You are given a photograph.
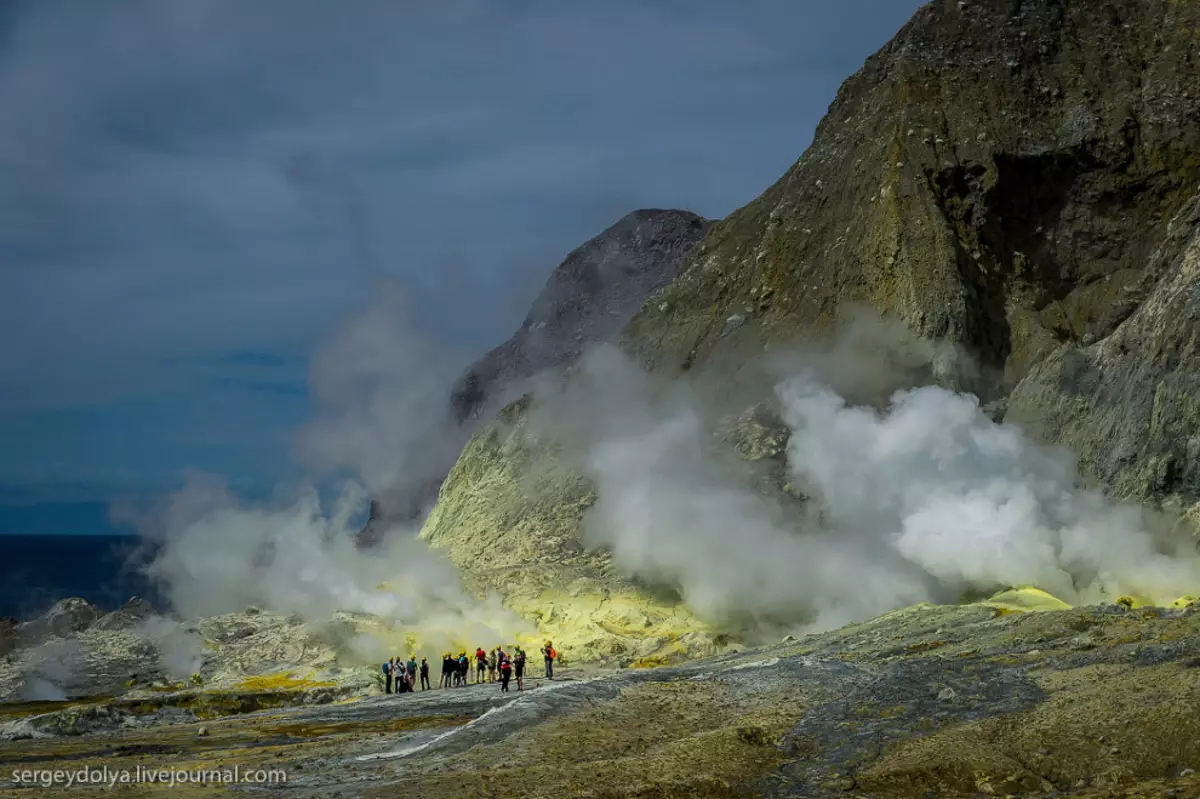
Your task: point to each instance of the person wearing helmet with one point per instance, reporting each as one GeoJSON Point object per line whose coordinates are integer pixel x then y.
{"type": "Point", "coordinates": [480, 665]}
{"type": "Point", "coordinates": [549, 655]}
{"type": "Point", "coordinates": [424, 674]}
{"type": "Point", "coordinates": [492, 664]}
{"type": "Point", "coordinates": [412, 672]}
{"type": "Point", "coordinates": [519, 668]}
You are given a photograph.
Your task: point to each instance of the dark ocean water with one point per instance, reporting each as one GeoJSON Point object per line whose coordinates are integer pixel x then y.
{"type": "Point", "coordinates": [38, 570]}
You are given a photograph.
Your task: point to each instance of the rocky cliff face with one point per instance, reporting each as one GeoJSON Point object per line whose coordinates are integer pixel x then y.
{"type": "Point", "coordinates": [588, 298]}
{"type": "Point", "coordinates": [1015, 179]}
{"type": "Point", "coordinates": [999, 175]}
{"type": "Point", "coordinates": [1127, 403]}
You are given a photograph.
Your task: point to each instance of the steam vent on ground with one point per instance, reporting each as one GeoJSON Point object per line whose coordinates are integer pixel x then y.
{"type": "Point", "coordinates": [886, 484]}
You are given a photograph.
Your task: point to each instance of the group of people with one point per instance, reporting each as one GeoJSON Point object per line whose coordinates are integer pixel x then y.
{"type": "Point", "coordinates": [489, 667]}
{"type": "Point", "coordinates": [401, 675]}
{"type": "Point", "coordinates": [493, 666]}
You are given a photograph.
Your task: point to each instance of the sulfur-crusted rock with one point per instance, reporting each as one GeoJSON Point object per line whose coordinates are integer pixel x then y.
{"type": "Point", "coordinates": [510, 514]}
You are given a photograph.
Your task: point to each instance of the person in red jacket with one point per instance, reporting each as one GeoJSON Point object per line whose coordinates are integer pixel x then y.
{"type": "Point", "coordinates": [505, 672]}
{"type": "Point", "coordinates": [480, 665]}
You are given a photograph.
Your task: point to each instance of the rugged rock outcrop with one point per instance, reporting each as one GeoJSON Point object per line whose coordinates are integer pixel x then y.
{"type": "Point", "coordinates": [588, 298]}
{"type": "Point", "coordinates": [999, 175]}
{"type": "Point", "coordinates": [65, 617]}
{"type": "Point", "coordinates": [1128, 403]}
{"type": "Point", "coordinates": [134, 648]}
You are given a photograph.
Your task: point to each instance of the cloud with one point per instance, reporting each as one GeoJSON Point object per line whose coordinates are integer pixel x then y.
{"type": "Point", "coordinates": [150, 215]}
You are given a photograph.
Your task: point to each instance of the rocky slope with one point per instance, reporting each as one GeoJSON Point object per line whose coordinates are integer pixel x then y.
{"type": "Point", "coordinates": [509, 516]}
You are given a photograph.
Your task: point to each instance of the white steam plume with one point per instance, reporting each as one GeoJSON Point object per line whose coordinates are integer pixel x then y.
{"type": "Point", "coordinates": [973, 503]}
{"type": "Point", "coordinates": [383, 392]}
{"type": "Point", "coordinates": [922, 500]}
{"type": "Point", "coordinates": [382, 389]}
{"type": "Point", "coordinates": [221, 555]}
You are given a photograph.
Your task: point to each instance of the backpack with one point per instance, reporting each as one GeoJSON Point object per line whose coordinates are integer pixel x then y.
{"type": "Point", "coordinates": [387, 668]}
{"type": "Point", "coordinates": [550, 653]}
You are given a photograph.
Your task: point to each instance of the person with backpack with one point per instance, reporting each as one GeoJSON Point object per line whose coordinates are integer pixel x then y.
{"type": "Point", "coordinates": [464, 668]}
{"type": "Point", "coordinates": [412, 672]}
{"type": "Point", "coordinates": [505, 672]}
{"type": "Point", "coordinates": [549, 654]}
{"type": "Point", "coordinates": [424, 674]}
{"type": "Point", "coordinates": [401, 676]}
{"type": "Point", "coordinates": [447, 670]}
{"type": "Point", "coordinates": [492, 665]}
{"type": "Point", "coordinates": [388, 666]}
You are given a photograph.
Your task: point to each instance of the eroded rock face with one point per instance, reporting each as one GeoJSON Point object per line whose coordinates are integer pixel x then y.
{"type": "Point", "coordinates": [998, 175]}
{"type": "Point", "coordinates": [1128, 404]}
{"type": "Point", "coordinates": [64, 618]}
{"type": "Point", "coordinates": [1001, 178]}
{"type": "Point", "coordinates": [131, 614]}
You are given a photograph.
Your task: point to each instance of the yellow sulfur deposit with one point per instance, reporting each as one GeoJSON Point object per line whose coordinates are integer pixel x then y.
{"type": "Point", "coordinates": [1025, 599]}
{"type": "Point", "coordinates": [281, 681]}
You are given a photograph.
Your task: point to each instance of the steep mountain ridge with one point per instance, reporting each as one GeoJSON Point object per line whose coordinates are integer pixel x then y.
{"type": "Point", "coordinates": [588, 298]}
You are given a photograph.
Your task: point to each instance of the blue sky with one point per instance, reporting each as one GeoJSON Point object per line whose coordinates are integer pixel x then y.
{"type": "Point", "coordinates": [194, 192]}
